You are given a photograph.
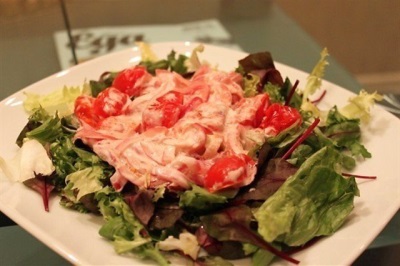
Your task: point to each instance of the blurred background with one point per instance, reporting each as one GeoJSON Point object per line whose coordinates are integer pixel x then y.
{"type": "Point", "coordinates": [363, 35]}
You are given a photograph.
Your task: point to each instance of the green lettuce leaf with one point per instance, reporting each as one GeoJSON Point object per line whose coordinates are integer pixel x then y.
{"type": "Point", "coordinates": [173, 62]}
{"type": "Point", "coordinates": [122, 245]}
{"type": "Point", "coordinates": [316, 142]}
{"type": "Point", "coordinates": [46, 128]}
{"type": "Point", "coordinates": [60, 101]}
{"type": "Point", "coordinates": [123, 228]}
{"type": "Point", "coordinates": [68, 158]}
{"type": "Point", "coordinates": [345, 133]}
{"type": "Point", "coordinates": [250, 85]}
{"type": "Point", "coordinates": [314, 80]}
{"type": "Point", "coordinates": [146, 53]}
{"type": "Point", "coordinates": [296, 99]}
{"type": "Point", "coordinates": [313, 202]}
{"type": "Point", "coordinates": [85, 181]}
{"type": "Point", "coordinates": [186, 243]}
{"type": "Point", "coordinates": [231, 224]}
{"type": "Point", "coordinates": [300, 154]}
{"type": "Point", "coordinates": [200, 199]}
{"type": "Point", "coordinates": [35, 120]}
{"type": "Point", "coordinates": [105, 81]}
{"type": "Point", "coordinates": [213, 261]}
{"type": "Point", "coordinates": [286, 137]}
{"type": "Point", "coordinates": [193, 63]}
{"type": "Point", "coordinates": [48, 131]}
{"type": "Point", "coordinates": [274, 92]}
{"type": "Point", "coordinates": [360, 105]}
{"type": "Point", "coordinates": [262, 257]}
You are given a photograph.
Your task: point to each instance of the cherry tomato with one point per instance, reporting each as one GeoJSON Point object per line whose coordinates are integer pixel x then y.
{"type": "Point", "coordinates": [110, 102]}
{"type": "Point", "coordinates": [171, 97]}
{"type": "Point", "coordinates": [84, 110]}
{"type": "Point", "coordinates": [166, 111]}
{"type": "Point", "coordinates": [126, 80]}
{"type": "Point", "coordinates": [228, 171]}
{"type": "Point", "coordinates": [265, 103]}
{"type": "Point", "coordinates": [280, 117]}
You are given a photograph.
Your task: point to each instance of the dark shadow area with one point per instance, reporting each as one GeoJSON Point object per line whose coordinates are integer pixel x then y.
{"type": "Point", "coordinates": [5, 221]}
{"type": "Point", "coordinates": [379, 256]}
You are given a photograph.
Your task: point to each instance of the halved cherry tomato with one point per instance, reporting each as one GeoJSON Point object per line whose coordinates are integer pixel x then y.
{"type": "Point", "coordinates": [265, 103]}
{"type": "Point", "coordinates": [110, 102]}
{"type": "Point", "coordinates": [166, 111]}
{"type": "Point", "coordinates": [126, 80]}
{"type": "Point", "coordinates": [228, 171]}
{"type": "Point", "coordinates": [174, 97]}
{"type": "Point", "coordinates": [280, 117]}
{"type": "Point", "coordinates": [84, 110]}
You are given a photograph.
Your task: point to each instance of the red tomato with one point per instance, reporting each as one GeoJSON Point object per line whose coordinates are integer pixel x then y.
{"type": "Point", "coordinates": [280, 117]}
{"type": "Point", "coordinates": [229, 171]}
{"type": "Point", "coordinates": [84, 110]}
{"type": "Point", "coordinates": [171, 114]}
{"type": "Point", "coordinates": [110, 102]}
{"type": "Point", "coordinates": [126, 80]}
{"type": "Point", "coordinates": [265, 103]}
{"type": "Point", "coordinates": [166, 111]}
{"type": "Point", "coordinates": [171, 97]}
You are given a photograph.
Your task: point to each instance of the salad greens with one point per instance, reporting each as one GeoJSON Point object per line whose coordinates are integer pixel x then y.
{"type": "Point", "coordinates": [312, 202]}
{"type": "Point", "coordinates": [289, 203]}
{"type": "Point", "coordinates": [200, 199]}
{"type": "Point", "coordinates": [359, 106]}
{"type": "Point", "coordinates": [60, 101]}
{"type": "Point", "coordinates": [123, 228]}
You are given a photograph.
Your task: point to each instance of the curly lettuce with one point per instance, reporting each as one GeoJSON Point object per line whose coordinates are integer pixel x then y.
{"type": "Point", "coordinates": [314, 81]}
{"type": "Point", "coordinates": [60, 101]}
{"type": "Point", "coordinates": [359, 106]}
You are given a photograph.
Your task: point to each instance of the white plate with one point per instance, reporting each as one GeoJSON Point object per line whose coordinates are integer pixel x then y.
{"type": "Point", "coordinates": [75, 236]}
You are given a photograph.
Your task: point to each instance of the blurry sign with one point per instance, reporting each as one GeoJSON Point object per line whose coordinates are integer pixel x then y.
{"type": "Point", "coordinates": [93, 42]}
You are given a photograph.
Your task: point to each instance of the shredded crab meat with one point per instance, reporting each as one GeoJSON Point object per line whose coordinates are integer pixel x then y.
{"type": "Point", "coordinates": [181, 154]}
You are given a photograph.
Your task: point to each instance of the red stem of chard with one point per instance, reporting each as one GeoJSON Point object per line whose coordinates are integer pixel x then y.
{"type": "Point", "coordinates": [320, 98]}
{"type": "Point", "coordinates": [45, 196]}
{"type": "Point", "coordinates": [265, 245]}
{"type": "Point", "coordinates": [292, 90]}
{"type": "Point", "coordinates": [360, 176]}
{"type": "Point", "coordinates": [301, 138]}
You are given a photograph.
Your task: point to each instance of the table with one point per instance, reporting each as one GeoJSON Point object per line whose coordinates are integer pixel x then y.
{"type": "Point", "coordinates": [28, 54]}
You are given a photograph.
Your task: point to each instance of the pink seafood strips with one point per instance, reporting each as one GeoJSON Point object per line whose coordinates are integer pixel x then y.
{"type": "Point", "coordinates": [177, 129]}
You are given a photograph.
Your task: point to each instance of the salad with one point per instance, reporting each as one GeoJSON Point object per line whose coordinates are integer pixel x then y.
{"type": "Point", "coordinates": [182, 158]}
